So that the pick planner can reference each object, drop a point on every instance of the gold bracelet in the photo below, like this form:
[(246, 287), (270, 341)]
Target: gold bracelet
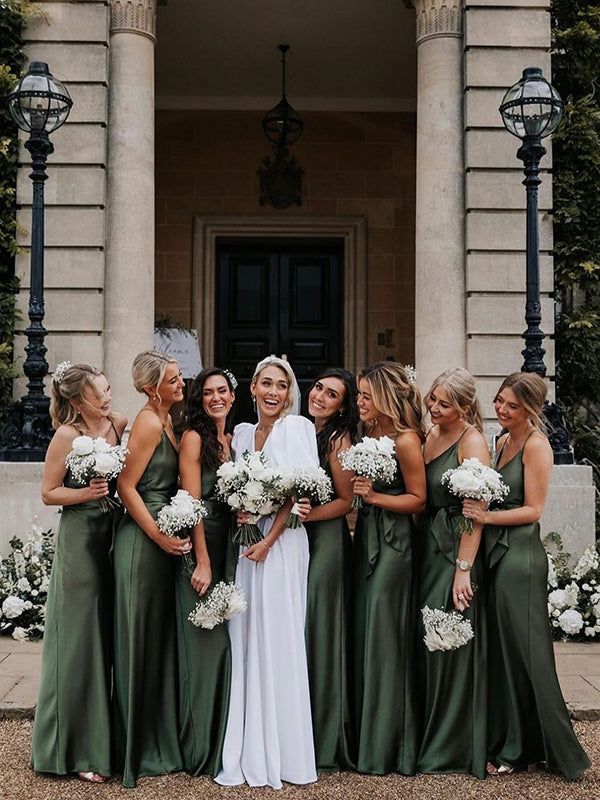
[(268, 545)]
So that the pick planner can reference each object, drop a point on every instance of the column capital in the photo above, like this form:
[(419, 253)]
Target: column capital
[(438, 18), (133, 16)]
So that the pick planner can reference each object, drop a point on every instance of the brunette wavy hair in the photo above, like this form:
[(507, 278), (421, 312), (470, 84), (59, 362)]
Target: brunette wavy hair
[(198, 420), (346, 420)]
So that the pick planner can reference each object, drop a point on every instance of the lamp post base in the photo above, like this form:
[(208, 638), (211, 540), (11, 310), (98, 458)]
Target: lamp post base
[(27, 434), (558, 433)]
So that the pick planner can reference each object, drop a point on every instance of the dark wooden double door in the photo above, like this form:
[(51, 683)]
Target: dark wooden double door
[(282, 299)]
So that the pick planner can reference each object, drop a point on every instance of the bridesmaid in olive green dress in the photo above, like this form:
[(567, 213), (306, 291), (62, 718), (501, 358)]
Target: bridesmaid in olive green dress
[(332, 404), (452, 685), (72, 729), (145, 679), (528, 719), (204, 655), (384, 619)]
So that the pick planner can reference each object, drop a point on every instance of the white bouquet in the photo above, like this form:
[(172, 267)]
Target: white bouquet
[(222, 602), (445, 630), (96, 458), (311, 482), (473, 480), (370, 458), (251, 485), (183, 512)]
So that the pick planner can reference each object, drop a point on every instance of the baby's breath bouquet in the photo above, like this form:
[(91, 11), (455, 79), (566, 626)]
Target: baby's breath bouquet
[(24, 581), (251, 485), (183, 512), (474, 481), (445, 630), (312, 482), (222, 602), (96, 458), (370, 458)]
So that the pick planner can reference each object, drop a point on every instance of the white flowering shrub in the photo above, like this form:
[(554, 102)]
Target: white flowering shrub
[(573, 594), (24, 579)]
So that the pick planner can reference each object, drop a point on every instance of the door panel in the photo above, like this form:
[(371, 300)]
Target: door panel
[(282, 299)]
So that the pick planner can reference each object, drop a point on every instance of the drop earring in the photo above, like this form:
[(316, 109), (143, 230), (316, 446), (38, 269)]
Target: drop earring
[(254, 403)]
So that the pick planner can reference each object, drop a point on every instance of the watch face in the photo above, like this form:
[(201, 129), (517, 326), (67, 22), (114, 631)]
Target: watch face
[(464, 565)]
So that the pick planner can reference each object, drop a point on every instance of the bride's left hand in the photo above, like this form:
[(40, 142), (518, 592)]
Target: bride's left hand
[(303, 508), (257, 552)]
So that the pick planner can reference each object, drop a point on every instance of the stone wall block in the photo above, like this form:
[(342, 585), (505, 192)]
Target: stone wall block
[(20, 502), (504, 272), (504, 190), (504, 27), (492, 355), (74, 144), (67, 186), (60, 22), (77, 268), (507, 4), (78, 348), (497, 148), (72, 62), (504, 314), (570, 508), (70, 227), (85, 310), (89, 102), (502, 67), (504, 230)]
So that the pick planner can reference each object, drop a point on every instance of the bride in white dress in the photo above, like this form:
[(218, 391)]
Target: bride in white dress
[(269, 736)]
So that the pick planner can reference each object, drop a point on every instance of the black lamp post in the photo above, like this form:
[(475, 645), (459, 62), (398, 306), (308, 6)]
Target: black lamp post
[(281, 178), (531, 110), (39, 104)]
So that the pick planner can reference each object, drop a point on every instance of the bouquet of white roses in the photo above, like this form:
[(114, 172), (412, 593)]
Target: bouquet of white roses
[(96, 458), (370, 458), (445, 630), (311, 482), (183, 512), (253, 486), (222, 602), (473, 480)]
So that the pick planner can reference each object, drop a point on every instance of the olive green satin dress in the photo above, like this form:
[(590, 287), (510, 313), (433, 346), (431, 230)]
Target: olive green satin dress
[(145, 702), (528, 719), (383, 639), (327, 640), (204, 655), (452, 685), (72, 729)]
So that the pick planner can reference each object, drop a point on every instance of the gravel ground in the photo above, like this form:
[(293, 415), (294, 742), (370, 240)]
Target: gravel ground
[(18, 782)]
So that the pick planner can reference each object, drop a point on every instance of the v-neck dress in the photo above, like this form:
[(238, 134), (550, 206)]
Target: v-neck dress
[(145, 678), (528, 719), (452, 686), (269, 737)]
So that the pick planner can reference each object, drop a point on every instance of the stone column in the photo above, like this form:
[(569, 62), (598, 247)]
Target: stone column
[(129, 278), (439, 241)]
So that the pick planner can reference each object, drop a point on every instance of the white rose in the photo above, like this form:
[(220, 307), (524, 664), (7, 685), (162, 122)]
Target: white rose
[(13, 607), (227, 470), (234, 501), (572, 594), (571, 621), (101, 445), (266, 509), (83, 445), (463, 482), (27, 605), (237, 604), (20, 635), (34, 592), (23, 585), (386, 445), (369, 445), (558, 598), (105, 464), (253, 490)]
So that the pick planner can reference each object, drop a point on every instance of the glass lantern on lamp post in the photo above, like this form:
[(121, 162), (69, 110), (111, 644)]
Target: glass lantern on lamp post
[(532, 110), (39, 104)]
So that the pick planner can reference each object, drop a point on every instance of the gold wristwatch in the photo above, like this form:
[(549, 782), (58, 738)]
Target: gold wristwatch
[(463, 565)]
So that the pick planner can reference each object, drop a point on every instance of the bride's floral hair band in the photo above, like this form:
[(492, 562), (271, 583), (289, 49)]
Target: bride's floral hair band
[(60, 371)]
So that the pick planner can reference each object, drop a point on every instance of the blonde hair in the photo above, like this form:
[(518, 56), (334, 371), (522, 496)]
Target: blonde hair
[(531, 391), (460, 386), (69, 390), (274, 361), (395, 396), (148, 369)]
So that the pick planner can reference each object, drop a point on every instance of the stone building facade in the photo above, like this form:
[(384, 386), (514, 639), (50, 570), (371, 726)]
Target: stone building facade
[(425, 193)]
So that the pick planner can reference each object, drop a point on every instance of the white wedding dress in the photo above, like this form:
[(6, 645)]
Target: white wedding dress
[(269, 736)]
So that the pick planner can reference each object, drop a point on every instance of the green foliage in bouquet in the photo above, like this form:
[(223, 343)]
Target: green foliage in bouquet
[(576, 75), (24, 580), (573, 593), (13, 14)]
